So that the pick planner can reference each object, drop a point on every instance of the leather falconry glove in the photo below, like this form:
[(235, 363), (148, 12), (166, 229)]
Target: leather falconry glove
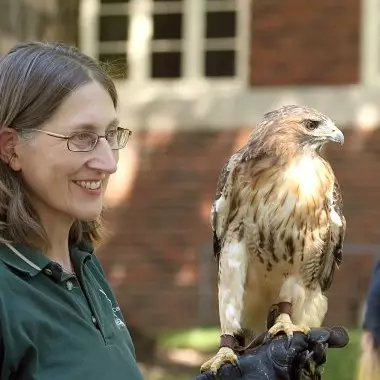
[(301, 358)]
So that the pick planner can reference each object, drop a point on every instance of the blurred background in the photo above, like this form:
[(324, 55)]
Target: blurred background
[(194, 77)]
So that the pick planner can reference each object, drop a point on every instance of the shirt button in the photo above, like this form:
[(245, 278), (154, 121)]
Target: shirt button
[(93, 319), (69, 285), (48, 271)]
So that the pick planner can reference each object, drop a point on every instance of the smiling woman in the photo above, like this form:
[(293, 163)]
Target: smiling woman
[(59, 143), (39, 79)]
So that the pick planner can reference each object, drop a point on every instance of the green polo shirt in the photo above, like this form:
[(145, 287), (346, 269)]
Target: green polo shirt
[(59, 326)]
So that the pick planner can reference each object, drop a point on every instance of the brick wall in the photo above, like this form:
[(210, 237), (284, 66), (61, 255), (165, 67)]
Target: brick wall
[(160, 251), (298, 42)]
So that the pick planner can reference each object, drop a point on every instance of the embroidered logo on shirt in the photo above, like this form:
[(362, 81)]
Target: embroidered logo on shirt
[(118, 321)]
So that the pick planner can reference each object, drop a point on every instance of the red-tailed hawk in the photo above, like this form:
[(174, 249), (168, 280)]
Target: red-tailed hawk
[(278, 228)]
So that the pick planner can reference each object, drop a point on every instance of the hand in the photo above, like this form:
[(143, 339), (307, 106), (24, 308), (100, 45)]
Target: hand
[(301, 358)]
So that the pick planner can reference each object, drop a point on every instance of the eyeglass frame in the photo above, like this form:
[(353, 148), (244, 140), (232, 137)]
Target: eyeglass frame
[(67, 138)]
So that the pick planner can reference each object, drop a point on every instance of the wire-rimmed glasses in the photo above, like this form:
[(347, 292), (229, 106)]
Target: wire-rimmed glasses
[(86, 141)]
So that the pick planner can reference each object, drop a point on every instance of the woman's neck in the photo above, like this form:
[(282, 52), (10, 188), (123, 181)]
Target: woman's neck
[(57, 231), (59, 253)]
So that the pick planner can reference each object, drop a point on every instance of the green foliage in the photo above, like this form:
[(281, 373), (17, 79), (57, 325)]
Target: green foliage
[(342, 362), (200, 339)]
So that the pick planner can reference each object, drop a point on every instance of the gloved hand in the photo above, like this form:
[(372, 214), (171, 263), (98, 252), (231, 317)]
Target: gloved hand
[(299, 359)]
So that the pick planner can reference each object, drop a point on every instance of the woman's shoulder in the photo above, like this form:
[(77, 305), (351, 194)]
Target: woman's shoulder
[(9, 266), (7, 278), (10, 280), (21, 260)]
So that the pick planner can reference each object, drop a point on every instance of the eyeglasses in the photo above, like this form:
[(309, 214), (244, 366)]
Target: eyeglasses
[(86, 141)]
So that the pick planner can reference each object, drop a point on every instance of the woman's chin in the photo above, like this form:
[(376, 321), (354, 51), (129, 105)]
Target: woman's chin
[(88, 215)]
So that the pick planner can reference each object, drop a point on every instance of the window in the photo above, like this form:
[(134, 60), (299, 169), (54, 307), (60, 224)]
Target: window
[(370, 42), (166, 51), (168, 40)]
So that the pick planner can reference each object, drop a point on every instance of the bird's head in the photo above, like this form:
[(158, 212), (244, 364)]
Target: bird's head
[(293, 127)]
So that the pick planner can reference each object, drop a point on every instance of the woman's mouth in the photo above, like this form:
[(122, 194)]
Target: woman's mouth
[(89, 185)]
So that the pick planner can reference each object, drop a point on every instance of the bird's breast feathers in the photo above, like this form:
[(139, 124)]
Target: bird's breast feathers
[(303, 177), (283, 214), (299, 194)]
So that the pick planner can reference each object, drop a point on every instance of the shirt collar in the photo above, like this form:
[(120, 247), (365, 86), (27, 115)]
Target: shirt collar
[(24, 258), (80, 253), (31, 261)]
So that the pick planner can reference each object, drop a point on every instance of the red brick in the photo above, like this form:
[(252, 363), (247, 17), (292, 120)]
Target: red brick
[(297, 42)]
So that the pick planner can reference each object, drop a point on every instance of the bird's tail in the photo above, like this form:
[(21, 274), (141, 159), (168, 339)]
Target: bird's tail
[(369, 365)]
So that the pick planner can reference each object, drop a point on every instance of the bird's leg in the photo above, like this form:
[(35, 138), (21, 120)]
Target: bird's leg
[(226, 354), (283, 322)]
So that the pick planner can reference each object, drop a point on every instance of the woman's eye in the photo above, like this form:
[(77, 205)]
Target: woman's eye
[(83, 139), (82, 136), (112, 133)]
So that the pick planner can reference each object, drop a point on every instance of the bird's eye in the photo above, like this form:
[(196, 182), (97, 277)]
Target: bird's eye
[(311, 124)]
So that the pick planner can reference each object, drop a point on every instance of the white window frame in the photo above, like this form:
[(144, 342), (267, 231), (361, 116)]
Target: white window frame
[(138, 47), (370, 43)]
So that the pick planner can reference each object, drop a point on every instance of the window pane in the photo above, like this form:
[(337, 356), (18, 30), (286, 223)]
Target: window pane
[(113, 28), (166, 65), (114, 1), (116, 64), (167, 1), (167, 27), (220, 64), (220, 24)]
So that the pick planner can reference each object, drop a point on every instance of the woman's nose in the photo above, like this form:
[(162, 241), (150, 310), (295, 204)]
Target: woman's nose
[(104, 158)]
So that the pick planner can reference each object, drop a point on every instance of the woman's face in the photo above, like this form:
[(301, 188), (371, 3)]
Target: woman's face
[(70, 184)]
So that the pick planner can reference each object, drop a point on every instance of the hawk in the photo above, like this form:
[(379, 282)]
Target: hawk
[(278, 229)]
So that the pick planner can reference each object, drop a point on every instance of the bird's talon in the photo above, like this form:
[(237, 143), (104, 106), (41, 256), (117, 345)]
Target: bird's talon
[(284, 324), (224, 355), (267, 337)]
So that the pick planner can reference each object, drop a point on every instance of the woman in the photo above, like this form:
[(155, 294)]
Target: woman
[(369, 364), (59, 142)]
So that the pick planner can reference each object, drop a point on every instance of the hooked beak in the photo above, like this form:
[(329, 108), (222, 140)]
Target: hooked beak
[(336, 136)]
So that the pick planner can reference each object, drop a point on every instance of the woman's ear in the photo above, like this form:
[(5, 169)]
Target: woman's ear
[(8, 141)]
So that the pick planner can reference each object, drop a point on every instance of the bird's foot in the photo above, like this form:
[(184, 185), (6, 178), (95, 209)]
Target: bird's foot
[(284, 324), (223, 356)]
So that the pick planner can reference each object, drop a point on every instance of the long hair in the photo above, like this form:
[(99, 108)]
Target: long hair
[(35, 78)]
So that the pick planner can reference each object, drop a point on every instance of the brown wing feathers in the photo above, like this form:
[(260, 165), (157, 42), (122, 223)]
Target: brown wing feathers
[(333, 249)]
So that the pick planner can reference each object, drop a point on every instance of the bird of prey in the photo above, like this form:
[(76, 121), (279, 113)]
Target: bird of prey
[(278, 229)]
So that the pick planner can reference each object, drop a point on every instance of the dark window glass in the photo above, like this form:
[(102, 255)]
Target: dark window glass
[(113, 28), (220, 64), (166, 65), (220, 24), (116, 64), (167, 26)]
